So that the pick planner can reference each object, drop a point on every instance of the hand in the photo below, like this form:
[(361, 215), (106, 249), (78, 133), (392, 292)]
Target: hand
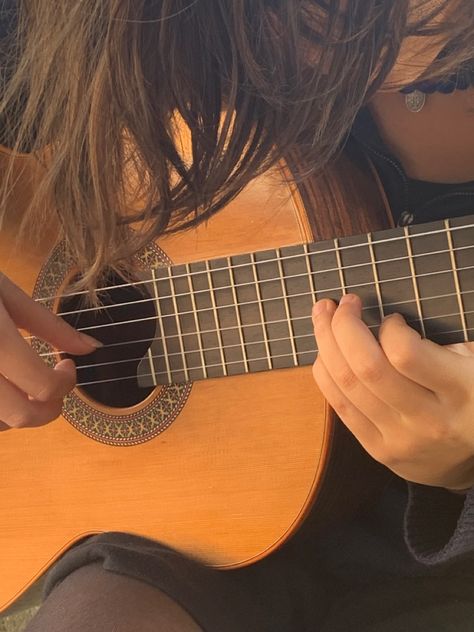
[(409, 401), (31, 393)]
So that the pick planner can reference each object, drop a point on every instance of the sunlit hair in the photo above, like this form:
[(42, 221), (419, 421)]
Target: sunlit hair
[(102, 85)]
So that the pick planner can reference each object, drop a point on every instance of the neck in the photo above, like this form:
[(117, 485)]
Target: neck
[(251, 312)]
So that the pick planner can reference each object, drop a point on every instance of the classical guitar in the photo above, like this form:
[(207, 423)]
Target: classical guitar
[(199, 423)]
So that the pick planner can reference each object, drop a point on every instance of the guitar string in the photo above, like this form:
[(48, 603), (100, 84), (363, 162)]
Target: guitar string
[(298, 295), (260, 281), (211, 331), (271, 322), (329, 250), (283, 355), (231, 346)]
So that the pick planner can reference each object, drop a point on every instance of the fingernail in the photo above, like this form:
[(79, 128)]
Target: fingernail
[(320, 307), (347, 298), (395, 315), (91, 341), (65, 365)]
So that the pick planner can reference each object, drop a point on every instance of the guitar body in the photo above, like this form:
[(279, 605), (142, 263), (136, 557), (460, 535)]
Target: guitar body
[(225, 469)]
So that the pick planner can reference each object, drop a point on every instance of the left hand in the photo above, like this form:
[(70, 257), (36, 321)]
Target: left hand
[(409, 401)]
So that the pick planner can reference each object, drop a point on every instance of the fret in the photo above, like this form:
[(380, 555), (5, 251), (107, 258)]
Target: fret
[(214, 309), (273, 306), (250, 318), (160, 325), (227, 317), (354, 256), (287, 309), (394, 274), (310, 274), (415, 284), (196, 322), (456, 280), (434, 274), (339, 266), (300, 298), (237, 315), (260, 307), (206, 319), (188, 337), (325, 270), (463, 243), (376, 276), (179, 329)]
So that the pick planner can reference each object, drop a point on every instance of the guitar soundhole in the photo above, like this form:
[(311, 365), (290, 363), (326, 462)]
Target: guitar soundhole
[(125, 324)]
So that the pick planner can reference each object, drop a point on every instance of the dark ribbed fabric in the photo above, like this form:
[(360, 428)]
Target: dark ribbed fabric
[(439, 525)]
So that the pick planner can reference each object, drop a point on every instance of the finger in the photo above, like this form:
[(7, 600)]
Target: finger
[(440, 369), (30, 315), (361, 427), (369, 363), (462, 348), (25, 369), (377, 411), (18, 411)]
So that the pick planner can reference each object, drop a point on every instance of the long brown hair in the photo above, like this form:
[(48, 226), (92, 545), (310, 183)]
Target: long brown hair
[(104, 84)]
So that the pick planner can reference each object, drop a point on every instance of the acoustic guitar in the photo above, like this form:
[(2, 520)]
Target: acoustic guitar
[(199, 423)]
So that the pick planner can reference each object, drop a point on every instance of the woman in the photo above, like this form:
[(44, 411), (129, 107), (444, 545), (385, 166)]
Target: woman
[(100, 84)]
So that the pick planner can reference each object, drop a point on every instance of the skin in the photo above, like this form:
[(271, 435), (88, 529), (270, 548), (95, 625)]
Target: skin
[(408, 401), (31, 393)]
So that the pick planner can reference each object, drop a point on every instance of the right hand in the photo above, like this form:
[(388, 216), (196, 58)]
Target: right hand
[(31, 393)]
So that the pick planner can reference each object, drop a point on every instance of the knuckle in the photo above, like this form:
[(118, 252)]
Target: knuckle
[(318, 371), (371, 372), (401, 355), (439, 433), (54, 410), (47, 391), (391, 458), (22, 419), (35, 415), (347, 379), (380, 454), (55, 384), (343, 408)]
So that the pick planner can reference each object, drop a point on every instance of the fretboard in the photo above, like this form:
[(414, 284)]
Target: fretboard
[(252, 312)]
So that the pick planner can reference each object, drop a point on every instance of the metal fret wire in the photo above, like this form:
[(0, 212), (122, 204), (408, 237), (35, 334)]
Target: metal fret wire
[(333, 289), (160, 318), (216, 318), (415, 284), (376, 277), (320, 252), (237, 316), (457, 285), (196, 322), (257, 342), (281, 355), (287, 311), (260, 307), (180, 333)]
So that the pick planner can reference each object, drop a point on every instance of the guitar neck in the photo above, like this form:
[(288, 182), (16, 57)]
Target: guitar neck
[(252, 312)]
